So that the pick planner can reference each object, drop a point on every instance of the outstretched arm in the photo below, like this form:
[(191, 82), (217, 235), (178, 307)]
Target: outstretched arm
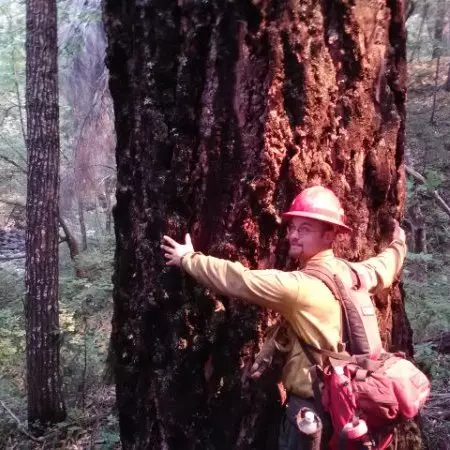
[(381, 270), (269, 288)]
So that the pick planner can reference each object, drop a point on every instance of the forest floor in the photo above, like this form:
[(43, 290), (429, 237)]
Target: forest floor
[(87, 306)]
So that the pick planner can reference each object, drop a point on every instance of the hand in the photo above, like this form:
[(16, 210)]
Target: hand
[(175, 251), (399, 232)]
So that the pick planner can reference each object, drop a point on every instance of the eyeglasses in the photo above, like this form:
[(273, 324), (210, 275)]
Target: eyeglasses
[(302, 230)]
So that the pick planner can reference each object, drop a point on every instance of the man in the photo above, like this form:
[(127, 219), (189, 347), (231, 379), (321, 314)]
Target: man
[(314, 315)]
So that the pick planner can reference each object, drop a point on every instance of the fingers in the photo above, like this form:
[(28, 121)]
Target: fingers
[(170, 240), (174, 251)]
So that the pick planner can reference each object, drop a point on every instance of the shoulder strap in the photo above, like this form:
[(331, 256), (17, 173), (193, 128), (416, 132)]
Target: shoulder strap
[(358, 278), (325, 275), (333, 282), (359, 322)]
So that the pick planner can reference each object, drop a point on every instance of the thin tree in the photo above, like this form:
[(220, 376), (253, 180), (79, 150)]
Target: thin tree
[(224, 110), (415, 53), (439, 23), (45, 400), (435, 88)]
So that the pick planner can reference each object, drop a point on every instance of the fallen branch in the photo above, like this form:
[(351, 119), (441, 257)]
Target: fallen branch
[(12, 202), (19, 424), (82, 421), (440, 201), (10, 161), (11, 258)]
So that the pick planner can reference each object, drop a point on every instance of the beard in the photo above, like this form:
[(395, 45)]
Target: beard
[(296, 251)]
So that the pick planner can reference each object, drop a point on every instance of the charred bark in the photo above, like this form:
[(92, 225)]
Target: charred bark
[(224, 110), (45, 401)]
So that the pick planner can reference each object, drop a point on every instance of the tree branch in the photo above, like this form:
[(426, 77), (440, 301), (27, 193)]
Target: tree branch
[(11, 258), (12, 203), (10, 161), (440, 201), (19, 424)]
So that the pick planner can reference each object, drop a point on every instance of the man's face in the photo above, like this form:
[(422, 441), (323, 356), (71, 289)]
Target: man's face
[(307, 237)]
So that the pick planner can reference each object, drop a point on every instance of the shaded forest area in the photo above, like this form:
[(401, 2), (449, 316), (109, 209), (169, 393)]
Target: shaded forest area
[(88, 178)]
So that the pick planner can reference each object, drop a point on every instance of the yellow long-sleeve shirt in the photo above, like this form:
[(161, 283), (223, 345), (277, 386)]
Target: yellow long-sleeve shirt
[(306, 303)]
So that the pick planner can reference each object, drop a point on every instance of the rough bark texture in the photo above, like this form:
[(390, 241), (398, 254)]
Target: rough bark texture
[(45, 402), (224, 111)]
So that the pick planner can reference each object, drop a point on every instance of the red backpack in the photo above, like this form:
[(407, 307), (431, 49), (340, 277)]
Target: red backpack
[(366, 390)]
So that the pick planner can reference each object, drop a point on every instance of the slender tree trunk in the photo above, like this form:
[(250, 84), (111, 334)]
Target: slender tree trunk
[(82, 222), (45, 401), (447, 82), (109, 190), (224, 111), (416, 50), (435, 89), (441, 13), (74, 249)]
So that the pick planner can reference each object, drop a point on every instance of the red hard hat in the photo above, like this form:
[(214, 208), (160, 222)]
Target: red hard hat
[(318, 203)]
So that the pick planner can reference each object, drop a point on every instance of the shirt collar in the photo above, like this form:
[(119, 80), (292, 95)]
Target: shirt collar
[(321, 256)]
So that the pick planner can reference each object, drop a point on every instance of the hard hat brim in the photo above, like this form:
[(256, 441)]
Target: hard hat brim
[(316, 216)]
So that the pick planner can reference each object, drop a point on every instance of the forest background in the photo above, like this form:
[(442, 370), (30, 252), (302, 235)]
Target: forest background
[(87, 241)]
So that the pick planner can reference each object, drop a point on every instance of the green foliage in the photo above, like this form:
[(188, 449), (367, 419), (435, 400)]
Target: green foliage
[(12, 93), (85, 317), (426, 280), (86, 308), (434, 363), (434, 179)]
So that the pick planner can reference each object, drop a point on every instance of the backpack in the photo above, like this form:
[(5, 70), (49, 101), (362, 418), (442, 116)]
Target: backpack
[(365, 390)]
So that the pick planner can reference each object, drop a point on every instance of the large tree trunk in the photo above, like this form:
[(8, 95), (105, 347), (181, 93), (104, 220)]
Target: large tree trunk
[(224, 111), (45, 401)]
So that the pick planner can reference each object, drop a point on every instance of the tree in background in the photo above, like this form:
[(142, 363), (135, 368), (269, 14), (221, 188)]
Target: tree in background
[(224, 111), (45, 400), (84, 80), (441, 20)]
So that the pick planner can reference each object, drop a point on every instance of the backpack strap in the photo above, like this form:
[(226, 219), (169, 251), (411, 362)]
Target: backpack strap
[(337, 288), (358, 278), (359, 318)]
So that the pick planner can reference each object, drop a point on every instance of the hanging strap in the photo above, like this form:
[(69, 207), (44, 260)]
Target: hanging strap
[(334, 283)]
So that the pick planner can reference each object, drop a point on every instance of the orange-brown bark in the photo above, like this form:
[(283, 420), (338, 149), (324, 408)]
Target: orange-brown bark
[(224, 111)]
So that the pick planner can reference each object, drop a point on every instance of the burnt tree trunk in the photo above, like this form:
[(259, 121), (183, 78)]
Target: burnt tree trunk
[(224, 111), (45, 401)]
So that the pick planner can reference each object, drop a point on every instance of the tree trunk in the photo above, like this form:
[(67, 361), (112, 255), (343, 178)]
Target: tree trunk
[(45, 401), (82, 221), (109, 191), (416, 48), (74, 249), (224, 111), (440, 19), (447, 82)]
